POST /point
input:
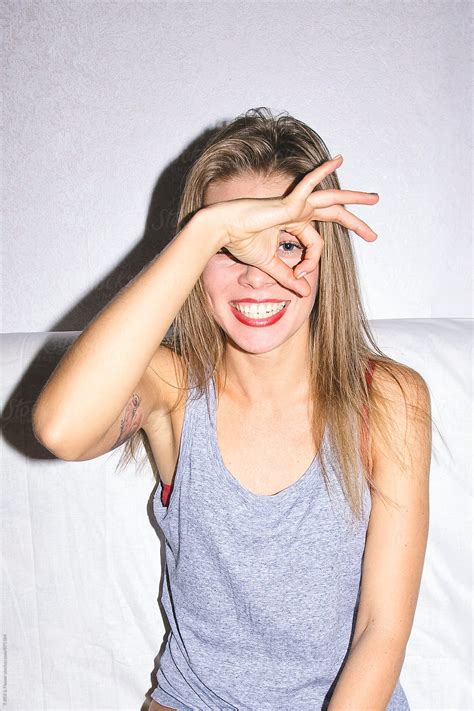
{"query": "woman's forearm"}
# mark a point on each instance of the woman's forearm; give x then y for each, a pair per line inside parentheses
(95, 378)
(370, 673)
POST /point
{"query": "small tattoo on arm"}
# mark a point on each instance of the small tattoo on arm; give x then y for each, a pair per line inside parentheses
(131, 420)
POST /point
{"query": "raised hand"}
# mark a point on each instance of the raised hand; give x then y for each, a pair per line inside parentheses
(252, 226)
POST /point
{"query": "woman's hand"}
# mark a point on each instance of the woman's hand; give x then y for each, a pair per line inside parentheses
(252, 226)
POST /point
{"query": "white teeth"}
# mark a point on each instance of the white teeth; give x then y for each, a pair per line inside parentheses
(260, 310)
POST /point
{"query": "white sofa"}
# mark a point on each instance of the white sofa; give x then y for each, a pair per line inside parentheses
(82, 553)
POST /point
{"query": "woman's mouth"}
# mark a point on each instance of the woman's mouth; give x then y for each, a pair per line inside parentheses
(259, 314)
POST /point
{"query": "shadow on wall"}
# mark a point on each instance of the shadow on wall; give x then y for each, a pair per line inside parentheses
(160, 228)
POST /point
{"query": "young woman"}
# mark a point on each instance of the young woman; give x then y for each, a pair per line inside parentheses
(293, 455)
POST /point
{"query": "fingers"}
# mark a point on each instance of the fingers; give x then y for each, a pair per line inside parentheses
(286, 277)
(314, 244)
(339, 214)
(307, 184)
(325, 198)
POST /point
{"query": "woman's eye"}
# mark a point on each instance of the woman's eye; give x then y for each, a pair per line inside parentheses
(291, 252)
(290, 245)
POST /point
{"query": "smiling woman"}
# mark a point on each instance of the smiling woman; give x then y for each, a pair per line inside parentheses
(279, 429)
(290, 363)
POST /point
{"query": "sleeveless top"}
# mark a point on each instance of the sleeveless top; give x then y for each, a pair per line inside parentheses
(260, 591)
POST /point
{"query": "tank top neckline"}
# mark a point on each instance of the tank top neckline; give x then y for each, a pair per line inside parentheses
(309, 476)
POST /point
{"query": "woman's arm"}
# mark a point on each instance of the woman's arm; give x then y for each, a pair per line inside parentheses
(81, 407)
(106, 366)
(394, 554)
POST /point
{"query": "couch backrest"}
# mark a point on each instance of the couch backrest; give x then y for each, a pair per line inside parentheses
(83, 554)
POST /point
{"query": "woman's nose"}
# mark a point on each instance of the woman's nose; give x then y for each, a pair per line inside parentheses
(255, 277)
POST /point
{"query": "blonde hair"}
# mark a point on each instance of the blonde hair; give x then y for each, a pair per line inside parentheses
(342, 347)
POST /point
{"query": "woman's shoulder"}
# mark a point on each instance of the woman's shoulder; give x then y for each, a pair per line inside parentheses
(390, 377)
(402, 400)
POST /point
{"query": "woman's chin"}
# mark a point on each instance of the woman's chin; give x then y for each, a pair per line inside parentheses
(257, 342)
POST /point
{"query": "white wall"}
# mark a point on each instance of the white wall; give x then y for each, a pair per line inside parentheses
(101, 97)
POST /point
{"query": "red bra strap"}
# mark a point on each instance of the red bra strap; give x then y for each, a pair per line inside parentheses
(166, 493)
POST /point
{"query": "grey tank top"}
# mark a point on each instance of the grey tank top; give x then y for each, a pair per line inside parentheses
(260, 592)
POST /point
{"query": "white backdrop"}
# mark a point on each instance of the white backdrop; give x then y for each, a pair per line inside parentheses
(102, 98)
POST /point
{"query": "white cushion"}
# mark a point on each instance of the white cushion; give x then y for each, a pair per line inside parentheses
(82, 553)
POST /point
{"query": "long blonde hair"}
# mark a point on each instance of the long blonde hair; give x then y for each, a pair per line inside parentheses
(342, 347)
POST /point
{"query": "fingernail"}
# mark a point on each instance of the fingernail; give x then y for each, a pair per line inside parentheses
(336, 157)
(373, 193)
(302, 274)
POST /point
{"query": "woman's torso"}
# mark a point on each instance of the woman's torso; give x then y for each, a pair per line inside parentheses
(262, 573)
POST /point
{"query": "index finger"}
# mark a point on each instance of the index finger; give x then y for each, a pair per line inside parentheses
(307, 184)
(286, 276)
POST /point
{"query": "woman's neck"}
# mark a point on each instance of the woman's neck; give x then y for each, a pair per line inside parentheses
(282, 374)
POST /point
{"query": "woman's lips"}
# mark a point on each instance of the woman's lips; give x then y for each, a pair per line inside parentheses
(258, 322)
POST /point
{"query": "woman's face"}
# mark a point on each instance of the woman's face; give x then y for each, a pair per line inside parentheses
(226, 280)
